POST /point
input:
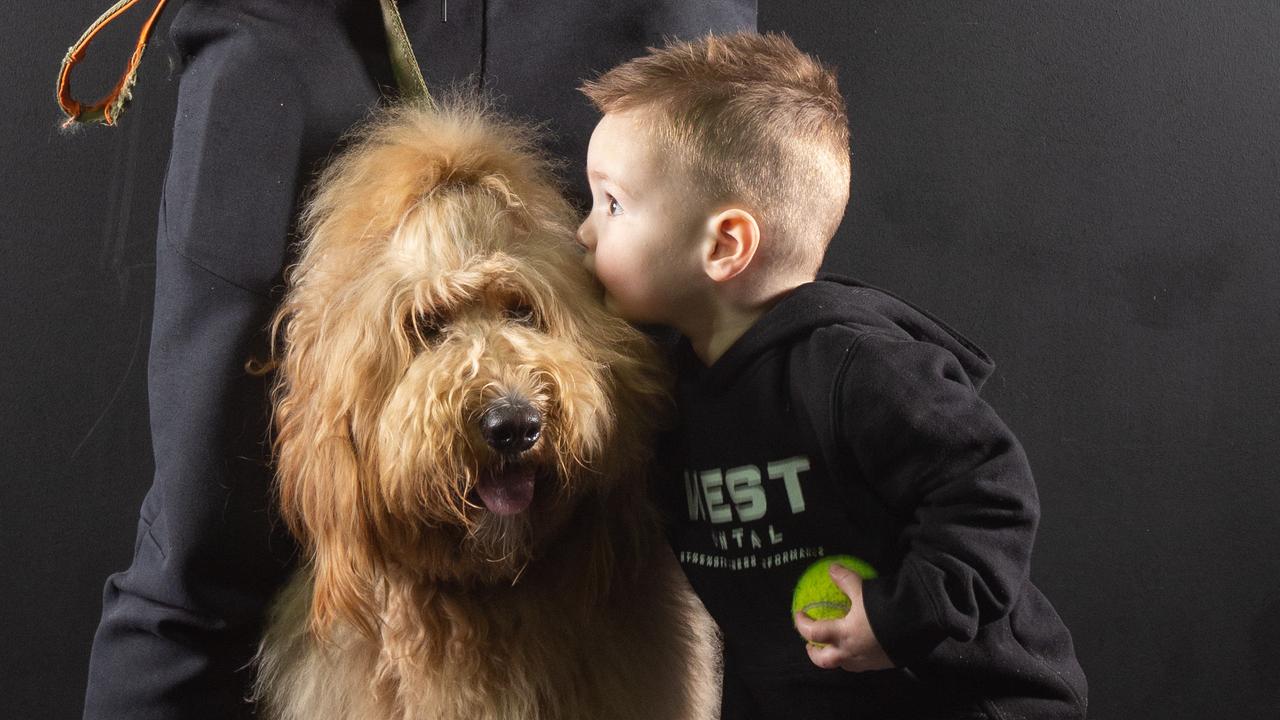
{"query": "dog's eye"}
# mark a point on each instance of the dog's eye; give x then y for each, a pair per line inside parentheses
(521, 313)
(428, 327)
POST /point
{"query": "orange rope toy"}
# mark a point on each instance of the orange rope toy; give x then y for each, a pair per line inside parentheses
(108, 109)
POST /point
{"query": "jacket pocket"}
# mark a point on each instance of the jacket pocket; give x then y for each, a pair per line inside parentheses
(233, 177)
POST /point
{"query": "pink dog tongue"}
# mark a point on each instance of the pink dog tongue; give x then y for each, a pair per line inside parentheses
(507, 493)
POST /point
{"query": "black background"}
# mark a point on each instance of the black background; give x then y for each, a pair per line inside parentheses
(1090, 190)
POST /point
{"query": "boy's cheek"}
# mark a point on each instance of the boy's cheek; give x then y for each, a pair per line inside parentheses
(620, 297)
(606, 269)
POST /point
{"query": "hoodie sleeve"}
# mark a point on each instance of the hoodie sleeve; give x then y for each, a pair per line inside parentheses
(939, 456)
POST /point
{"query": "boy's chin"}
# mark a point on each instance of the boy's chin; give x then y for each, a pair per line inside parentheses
(612, 305)
(617, 309)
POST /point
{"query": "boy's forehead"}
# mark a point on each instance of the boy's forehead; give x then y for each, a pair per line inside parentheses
(622, 185)
(617, 146)
(613, 136)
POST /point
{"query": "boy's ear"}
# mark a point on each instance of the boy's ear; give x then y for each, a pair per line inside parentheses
(733, 238)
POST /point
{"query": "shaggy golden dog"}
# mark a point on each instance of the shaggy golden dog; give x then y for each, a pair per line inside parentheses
(462, 439)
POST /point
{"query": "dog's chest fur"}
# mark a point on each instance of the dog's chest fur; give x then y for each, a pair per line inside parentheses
(520, 652)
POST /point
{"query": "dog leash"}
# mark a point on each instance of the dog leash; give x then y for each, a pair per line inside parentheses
(404, 65)
(107, 111)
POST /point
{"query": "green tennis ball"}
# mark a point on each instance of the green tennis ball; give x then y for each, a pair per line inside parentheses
(817, 596)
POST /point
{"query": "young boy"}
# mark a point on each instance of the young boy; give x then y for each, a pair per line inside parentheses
(817, 417)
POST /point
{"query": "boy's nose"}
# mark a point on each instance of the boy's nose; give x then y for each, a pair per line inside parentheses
(584, 237)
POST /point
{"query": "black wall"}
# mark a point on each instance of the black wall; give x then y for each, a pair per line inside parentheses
(1091, 190)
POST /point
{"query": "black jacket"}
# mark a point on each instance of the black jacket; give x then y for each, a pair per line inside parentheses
(267, 89)
(848, 421)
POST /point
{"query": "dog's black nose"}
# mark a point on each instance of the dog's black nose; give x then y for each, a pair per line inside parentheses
(511, 427)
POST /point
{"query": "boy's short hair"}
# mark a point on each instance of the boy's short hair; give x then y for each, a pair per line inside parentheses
(752, 119)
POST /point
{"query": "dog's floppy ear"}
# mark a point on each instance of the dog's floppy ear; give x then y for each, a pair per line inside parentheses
(341, 540)
(641, 402)
(321, 493)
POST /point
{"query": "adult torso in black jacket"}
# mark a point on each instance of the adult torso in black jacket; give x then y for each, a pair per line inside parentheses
(266, 90)
(847, 421)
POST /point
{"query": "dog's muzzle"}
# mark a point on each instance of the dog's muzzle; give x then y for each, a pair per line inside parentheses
(511, 429)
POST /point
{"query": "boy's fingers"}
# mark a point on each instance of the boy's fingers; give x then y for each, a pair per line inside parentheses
(827, 657)
(804, 624)
(817, 631)
(849, 582)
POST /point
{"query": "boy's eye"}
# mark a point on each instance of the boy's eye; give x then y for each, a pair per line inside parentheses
(614, 207)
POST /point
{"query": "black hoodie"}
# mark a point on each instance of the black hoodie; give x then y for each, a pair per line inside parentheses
(847, 421)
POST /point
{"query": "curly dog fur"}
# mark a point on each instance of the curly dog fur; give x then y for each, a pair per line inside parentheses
(462, 439)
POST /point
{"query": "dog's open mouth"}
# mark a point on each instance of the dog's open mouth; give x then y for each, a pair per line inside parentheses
(507, 490)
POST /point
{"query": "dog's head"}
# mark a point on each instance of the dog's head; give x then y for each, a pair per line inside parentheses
(451, 393)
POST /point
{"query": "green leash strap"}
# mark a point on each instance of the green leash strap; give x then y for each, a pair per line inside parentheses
(404, 65)
(108, 110)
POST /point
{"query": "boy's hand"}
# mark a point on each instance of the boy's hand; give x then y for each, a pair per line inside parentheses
(849, 642)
